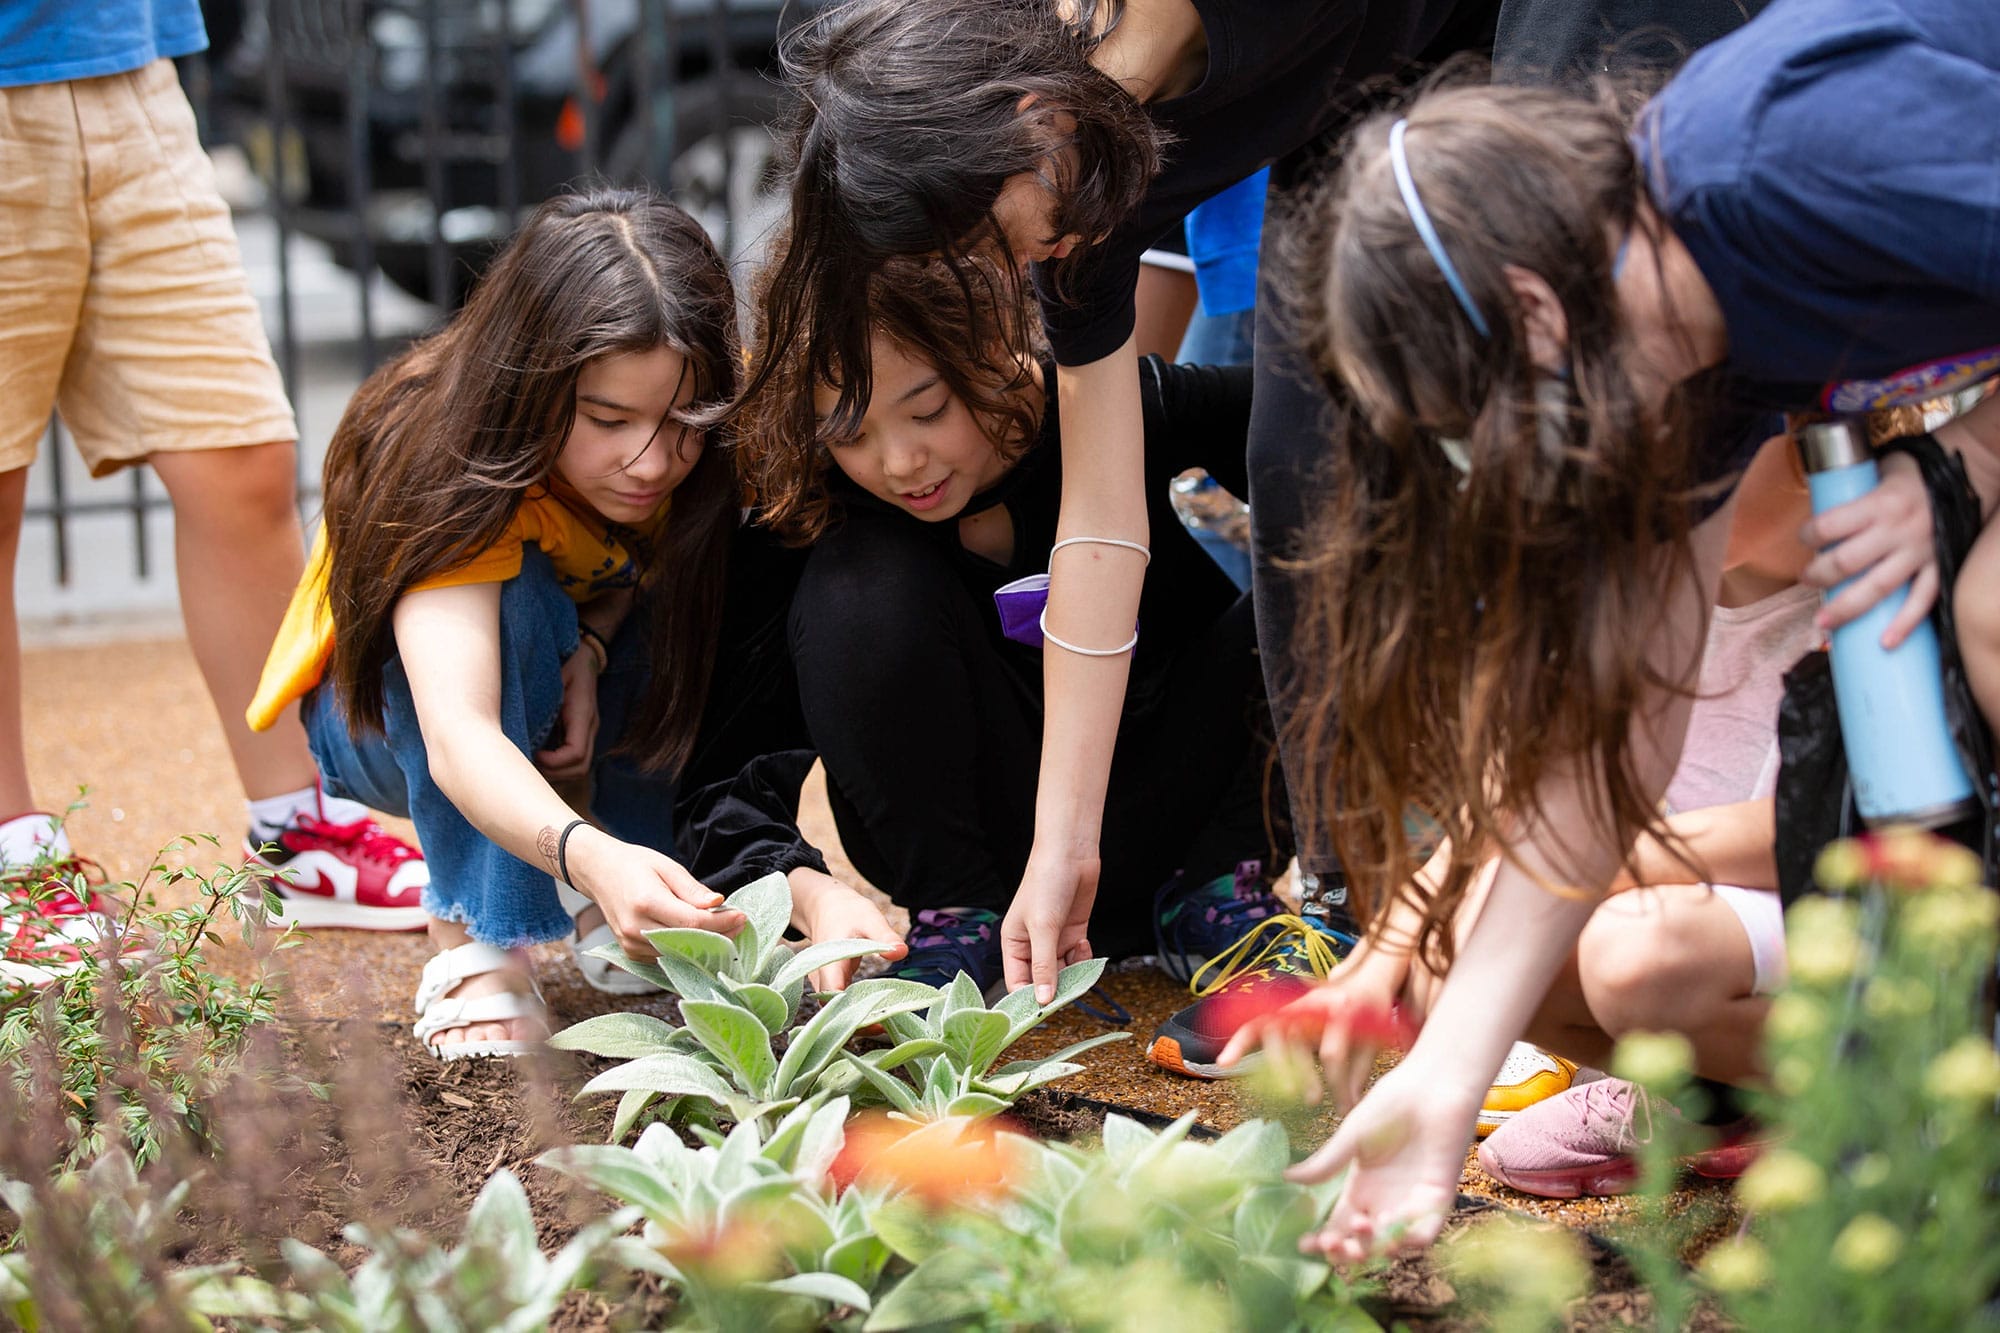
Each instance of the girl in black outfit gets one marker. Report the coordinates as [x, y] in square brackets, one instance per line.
[1070, 134]
[929, 718]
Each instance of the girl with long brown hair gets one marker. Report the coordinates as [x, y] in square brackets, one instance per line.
[521, 583]
[919, 648]
[1522, 306]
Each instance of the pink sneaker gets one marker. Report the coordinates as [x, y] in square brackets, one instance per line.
[1585, 1140]
[356, 875]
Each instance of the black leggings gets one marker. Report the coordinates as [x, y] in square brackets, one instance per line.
[930, 726]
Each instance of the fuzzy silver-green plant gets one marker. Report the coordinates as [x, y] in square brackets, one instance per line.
[950, 1049]
[739, 1055]
[496, 1278]
[747, 1228]
[1145, 1230]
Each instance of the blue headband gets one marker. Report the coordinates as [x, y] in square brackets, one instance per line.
[1401, 162]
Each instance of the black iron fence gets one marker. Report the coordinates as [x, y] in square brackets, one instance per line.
[408, 137]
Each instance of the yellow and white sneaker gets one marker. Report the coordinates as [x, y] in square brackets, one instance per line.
[1529, 1075]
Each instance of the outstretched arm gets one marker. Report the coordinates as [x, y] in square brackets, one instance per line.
[1093, 603]
[449, 639]
[1405, 1141]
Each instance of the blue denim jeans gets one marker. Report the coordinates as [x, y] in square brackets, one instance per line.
[502, 899]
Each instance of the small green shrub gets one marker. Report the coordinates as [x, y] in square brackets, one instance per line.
[131, 1036]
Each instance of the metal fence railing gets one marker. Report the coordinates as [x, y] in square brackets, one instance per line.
[403, 140]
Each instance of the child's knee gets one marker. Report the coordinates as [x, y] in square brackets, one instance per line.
[1635, 975]
[250, 486]
[1975, 600]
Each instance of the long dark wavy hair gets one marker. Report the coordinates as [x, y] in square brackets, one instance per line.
[1476, 627]
[920, 305]
[910, 117]
[438, 448]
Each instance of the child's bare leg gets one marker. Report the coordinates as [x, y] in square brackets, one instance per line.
[1676, 958]
[16, 795]
[239, 554]
[1975, 604]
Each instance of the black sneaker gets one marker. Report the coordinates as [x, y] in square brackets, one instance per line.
[945, 941]
[1278, 960]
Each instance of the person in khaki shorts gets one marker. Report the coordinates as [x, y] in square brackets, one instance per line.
[125, 309]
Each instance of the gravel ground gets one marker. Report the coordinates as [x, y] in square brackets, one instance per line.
[131, 722]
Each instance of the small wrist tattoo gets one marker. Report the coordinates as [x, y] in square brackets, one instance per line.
[547, 843]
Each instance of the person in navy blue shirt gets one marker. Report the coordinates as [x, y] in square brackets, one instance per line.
[1531, 314]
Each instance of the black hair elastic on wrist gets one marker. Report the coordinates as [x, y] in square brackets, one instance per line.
[562, 850]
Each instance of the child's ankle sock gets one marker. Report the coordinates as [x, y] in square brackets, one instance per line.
[25, 839]
[272, 815]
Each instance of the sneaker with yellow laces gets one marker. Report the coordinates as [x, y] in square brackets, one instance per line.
[1277, 960]
[1528, 1075]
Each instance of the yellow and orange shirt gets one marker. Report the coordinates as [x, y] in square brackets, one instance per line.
[591, 557]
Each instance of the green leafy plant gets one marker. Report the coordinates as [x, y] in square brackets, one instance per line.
[950, 1050]
[1874, 1207]
[1151, 1229]
[88, 1252]
[747, 1227]
[495, 1278]
[143, 1027]
[741, 1054]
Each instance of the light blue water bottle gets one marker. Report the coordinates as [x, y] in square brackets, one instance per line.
[1900, 754]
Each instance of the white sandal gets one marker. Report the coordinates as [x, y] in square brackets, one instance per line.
[438, 1013]
[599, 973]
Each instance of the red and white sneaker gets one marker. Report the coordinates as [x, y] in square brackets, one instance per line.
[48, 927]
[358, 876]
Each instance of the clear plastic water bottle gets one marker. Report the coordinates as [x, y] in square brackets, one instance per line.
[1904, 766]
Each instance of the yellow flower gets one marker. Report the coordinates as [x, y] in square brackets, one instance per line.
[1795, 1017]
[1868, 1244]
[1653, 1059]
[1822, 946]
[1781, 1180]
[1737, 1264]
[1968, 1070]
[1841, 866]
[1948, 921]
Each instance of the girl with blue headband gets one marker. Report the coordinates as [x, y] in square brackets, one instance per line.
[1536, 448]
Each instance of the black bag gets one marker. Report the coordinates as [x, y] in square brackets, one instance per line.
[1815, 800]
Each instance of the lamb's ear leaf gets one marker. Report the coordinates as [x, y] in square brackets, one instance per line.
[829, 1287]
[622, 1035]
[710, 952]
[649, 971]
[767, 1004]
[738, 1038]
[633, 1105]
[767, 903]
[941, 1289]
[815, 956]
[976, 1037]
[898, 1093]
